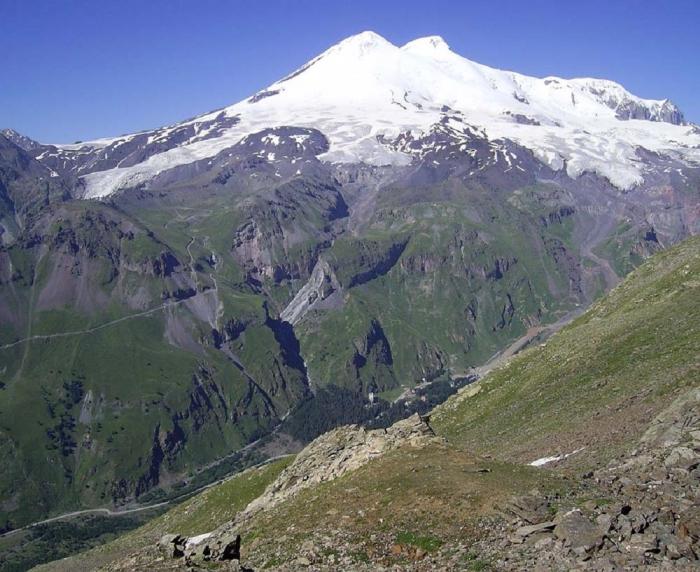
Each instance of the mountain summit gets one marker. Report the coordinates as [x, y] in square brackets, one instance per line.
[365, 93]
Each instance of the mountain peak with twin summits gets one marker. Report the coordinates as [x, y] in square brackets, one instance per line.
[365, 92]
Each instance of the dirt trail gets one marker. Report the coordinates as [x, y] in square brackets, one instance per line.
[193, 272]
[76, 513]
[158, 308]
[105, 324]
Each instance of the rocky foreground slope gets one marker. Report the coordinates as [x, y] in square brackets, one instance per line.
[607, 478]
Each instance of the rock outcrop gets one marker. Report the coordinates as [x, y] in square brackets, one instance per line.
[338, 452]
[322, 284]
[199, 550]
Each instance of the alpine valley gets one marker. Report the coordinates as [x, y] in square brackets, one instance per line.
[351, 244]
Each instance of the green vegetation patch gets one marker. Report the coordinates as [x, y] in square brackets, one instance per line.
[427, 543]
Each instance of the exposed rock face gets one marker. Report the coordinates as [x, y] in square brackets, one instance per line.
[20, 140]
[172, 545]
[327, 458]
[128, 150]
[372, 360]
[667, 112]
[338, 452]
[579, 533]
[322, 284]
[280, 219]
[200, 550]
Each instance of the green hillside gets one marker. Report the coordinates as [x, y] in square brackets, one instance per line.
[593, 390]
[600, 380]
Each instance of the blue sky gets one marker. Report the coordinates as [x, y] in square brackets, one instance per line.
[79, 69]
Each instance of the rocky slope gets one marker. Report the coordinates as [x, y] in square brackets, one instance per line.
[414, 498]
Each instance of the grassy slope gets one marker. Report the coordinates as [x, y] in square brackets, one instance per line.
[78, 413]
[448, 316]
[599, 380]
[422, 497]
[597, 385]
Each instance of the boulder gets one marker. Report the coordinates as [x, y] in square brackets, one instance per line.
[683, 457]
[577, 532]
[525, 531]
[531, 508]
[172, 545]
[675, 548]
[229, 547]
[198, 553]
[643, 543]
[224, 547]
[689, 524]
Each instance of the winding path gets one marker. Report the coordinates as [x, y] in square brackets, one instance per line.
[193, 270]
[76, 513]
[105, 324]
[500, 357]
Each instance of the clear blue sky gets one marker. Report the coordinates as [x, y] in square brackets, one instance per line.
[79, 69]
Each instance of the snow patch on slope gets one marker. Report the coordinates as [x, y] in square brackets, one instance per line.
[546, 460]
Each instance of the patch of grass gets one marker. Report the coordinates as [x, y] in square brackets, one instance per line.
[219, 504]
[479, 565]
[359, 556]
[473, 562]
[427, 543]
[273, 561]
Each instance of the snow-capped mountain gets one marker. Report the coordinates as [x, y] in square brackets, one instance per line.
[367, 96]
[381, 217]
